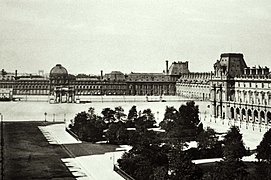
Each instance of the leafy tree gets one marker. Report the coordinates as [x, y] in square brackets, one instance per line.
[119, 113]
[207, 139]
[160, 172]
[88, 126]
[184, 123]
[230, 170]
[132, 113]
[232, 167]
[117, 133]
[264, 148]
[91, 111]
[79, 126]
[146, 157]
[234, 148]
[170, 118]
[108, 115]
[145, 121]
[189, 115]
[181, 166]
[3, 72]
[263, 170]
[149, 115]
[95, 126]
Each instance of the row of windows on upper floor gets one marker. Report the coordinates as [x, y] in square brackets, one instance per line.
[253, 84]
[47, 87]
[192, 85]
[246, 84]
[30, 82]
[192, 91]
[152, 86]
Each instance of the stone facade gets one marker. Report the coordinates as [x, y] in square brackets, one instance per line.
[239, 92]
[194, 85]
[64, 87]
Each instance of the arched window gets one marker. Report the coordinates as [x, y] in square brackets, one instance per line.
[256, 117]
[249, 113]
[243, 114]
[232, 112]
[262, 117]
[268, 117]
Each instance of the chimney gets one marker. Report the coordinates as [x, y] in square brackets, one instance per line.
[166, 67]
[102, 76]
[16, 73]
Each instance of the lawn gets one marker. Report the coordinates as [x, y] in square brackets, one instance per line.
[28, 155]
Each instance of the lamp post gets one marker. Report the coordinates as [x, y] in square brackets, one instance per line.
[234, 117]
[259, 119]
[247, 118]
[45, 114]
[267, 119]
[240, 113]
[54, 117]
[2, 147]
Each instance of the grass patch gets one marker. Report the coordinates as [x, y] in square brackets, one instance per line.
[28, 155]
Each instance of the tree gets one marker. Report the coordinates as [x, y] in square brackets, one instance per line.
[207, 139]
[119, 113]
[91, 111]
[264, 148]
[181, 166]
[88, 126]
[232, 167]
[149, 117]
[208, 145]
[189, 115]
[182, 124]
[230, 170]
[117, 133]
[234, 148]
[170, 118]
[132, 113]
[146, 157]
[108, 115]
[79, 126]
[3, 72]
[145, 121]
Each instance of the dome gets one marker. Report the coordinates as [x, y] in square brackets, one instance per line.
[116, 73]
[58, 70]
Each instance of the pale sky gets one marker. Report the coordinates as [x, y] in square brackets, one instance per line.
[87, 36]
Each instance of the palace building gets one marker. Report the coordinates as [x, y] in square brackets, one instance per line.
[240, 92]
[234, 90]
[194, 86]
[60, 86]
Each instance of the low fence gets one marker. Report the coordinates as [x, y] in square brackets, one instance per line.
[122, 173]
[109, 98]
[132, 98]
[208, 119]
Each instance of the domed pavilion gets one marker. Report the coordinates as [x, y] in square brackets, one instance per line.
[60, 87]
